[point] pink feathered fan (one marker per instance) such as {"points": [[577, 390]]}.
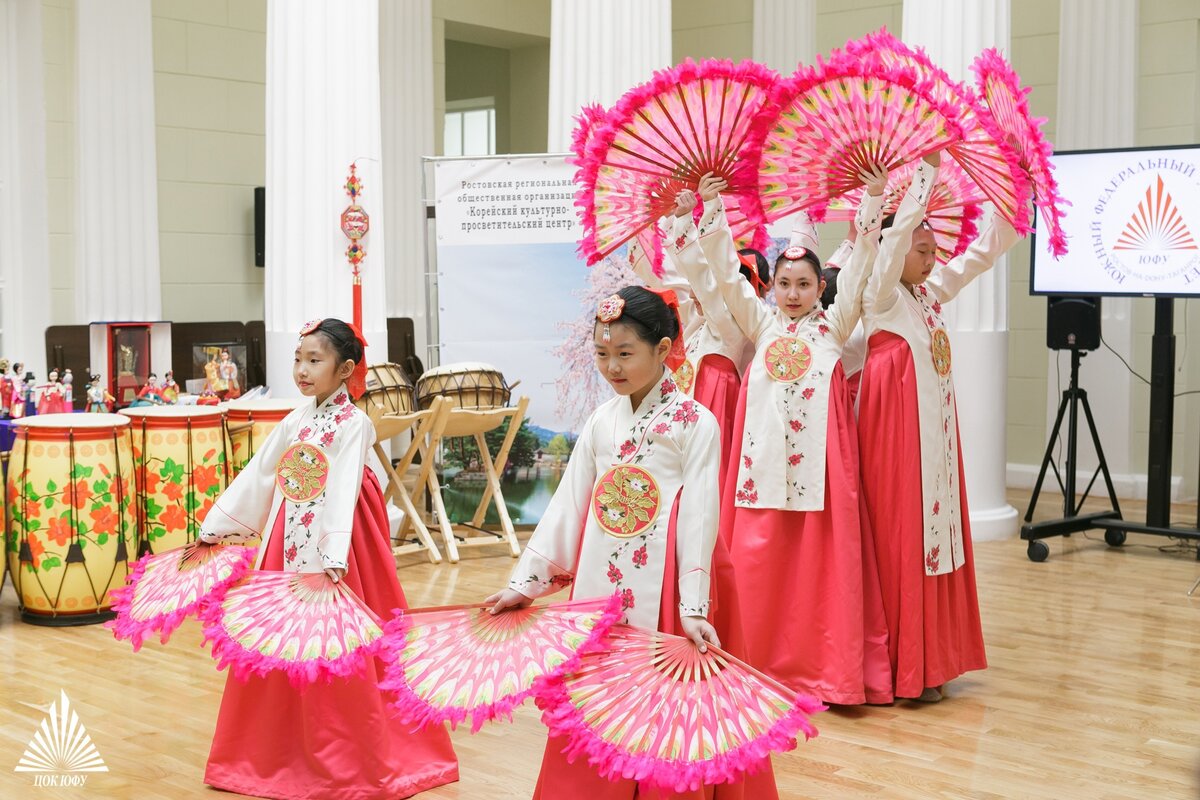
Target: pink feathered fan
{"points": [[448, 664], [831, 121], [954, 205], [302, 624], [1008, 120], [652, 707], [163, 589], [661, 138]]}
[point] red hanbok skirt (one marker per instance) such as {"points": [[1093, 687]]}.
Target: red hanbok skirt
{"points": [[331, 741], [718, 386], [560, 778], [934, 630], [807, 581]]}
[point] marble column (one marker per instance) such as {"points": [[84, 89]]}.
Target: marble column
{"points": [[785, 33], [116, 186], [24, 226], [406, 103], [323, 112], [954, 33], [1097, 105], [598, 51]]}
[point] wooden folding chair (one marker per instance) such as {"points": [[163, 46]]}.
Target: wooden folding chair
{"points": [[424, 426], [475, 423]]}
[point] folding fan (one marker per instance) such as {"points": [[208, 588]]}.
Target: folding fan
{"points": [[832, 121], [1008, 120], [954, 205], [662, 137], [447, 664], [992, 164], [300, 623], [652, 707], [162, 589]]}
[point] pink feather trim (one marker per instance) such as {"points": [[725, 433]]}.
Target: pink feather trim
{"points": [[243, 663], [563, 719], [137, 631], [411, 707], [970, 216]]}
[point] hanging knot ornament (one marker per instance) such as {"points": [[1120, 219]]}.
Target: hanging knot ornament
{"points": [[355, 224]]}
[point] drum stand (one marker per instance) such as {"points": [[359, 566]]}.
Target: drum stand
{"points": [[475, 423], [422, 424]]}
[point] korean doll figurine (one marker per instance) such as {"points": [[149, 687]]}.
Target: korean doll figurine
{"points": [[99, 401], [68, 382], [228, 371], [51, 398], [150, 394], [170, 389], [16, 401], [28, 395], [6, 390]]}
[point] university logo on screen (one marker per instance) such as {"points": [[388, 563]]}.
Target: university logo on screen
{"points": [[61, 752], [1144, 224]]}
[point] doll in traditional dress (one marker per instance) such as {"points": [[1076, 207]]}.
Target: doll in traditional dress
{"points": [[6, 390], [68, 382], [17, 400], [98, 399], [150, 394], [666, 448], [335, 739], [170, 389], [29, 394], [228, 370], [51, 396]]}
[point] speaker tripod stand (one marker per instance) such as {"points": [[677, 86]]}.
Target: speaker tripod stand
{"points": [[1072, 521]]}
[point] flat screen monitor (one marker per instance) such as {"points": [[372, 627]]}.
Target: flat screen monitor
{"points": [[1133, 226]]}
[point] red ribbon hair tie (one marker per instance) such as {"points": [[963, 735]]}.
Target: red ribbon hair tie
{"points": [[358, 378], [678, 355]]}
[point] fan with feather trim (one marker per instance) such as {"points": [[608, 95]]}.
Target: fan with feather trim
{"points": [[661, 138], [1009, 120], [832, 121], [448, 664], [163, 588], [651, 707], [954, 205], [993, 165], [300, 623]]}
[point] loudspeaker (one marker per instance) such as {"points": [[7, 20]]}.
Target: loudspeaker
{"points": [[1073, 323], [260, 226]]}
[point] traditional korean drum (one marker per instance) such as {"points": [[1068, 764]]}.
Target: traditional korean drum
{"points": [[179, 470], [71, 524], [248, 423], [467, 385], [389, 391]]}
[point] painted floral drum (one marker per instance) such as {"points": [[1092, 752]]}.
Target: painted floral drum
{"points": [[71, 524], [180, 468], [248, 423]]}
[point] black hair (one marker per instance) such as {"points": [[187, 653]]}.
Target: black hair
{"points": [[341, 338], [809, 257], [764, 267], [830, 275], [151, 375], [651, 319], [890, 220]]}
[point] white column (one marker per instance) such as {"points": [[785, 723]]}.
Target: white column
{"points": [[1097, 104], [785, 33], [954, 33], [322, 114], [116, 186], [406, 102], [600, 50], [24, 228]]}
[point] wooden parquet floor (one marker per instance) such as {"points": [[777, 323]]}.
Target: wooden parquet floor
{"points": [[1093, 692]]}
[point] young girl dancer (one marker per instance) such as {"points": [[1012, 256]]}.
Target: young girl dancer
{"points": [[330, 740], [806, 582], [661, 448], [911, 466]]}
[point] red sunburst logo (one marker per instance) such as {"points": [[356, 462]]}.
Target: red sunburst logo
{"points": [[1156, 224]]}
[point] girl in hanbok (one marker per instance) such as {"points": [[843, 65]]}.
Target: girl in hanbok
{"points": [[330, 740], [649, 447], [807, 585], [98, 399], [911, 464]]}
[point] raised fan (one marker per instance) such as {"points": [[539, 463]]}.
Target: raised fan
{"points": [[832, 121], [661, 138], [299, 623], [993, 165], [448, 664], [1008, 120], [954, 205], [651, 707], [162, 589]]}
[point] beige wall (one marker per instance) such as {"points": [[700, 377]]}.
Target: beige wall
{"points": [[58, 33]]}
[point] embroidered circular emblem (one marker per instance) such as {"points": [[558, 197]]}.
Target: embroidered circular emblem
{"points": [[787, 359], [685, 376], [302, 472], [941, 352], [795, 253], [626, 501]]}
